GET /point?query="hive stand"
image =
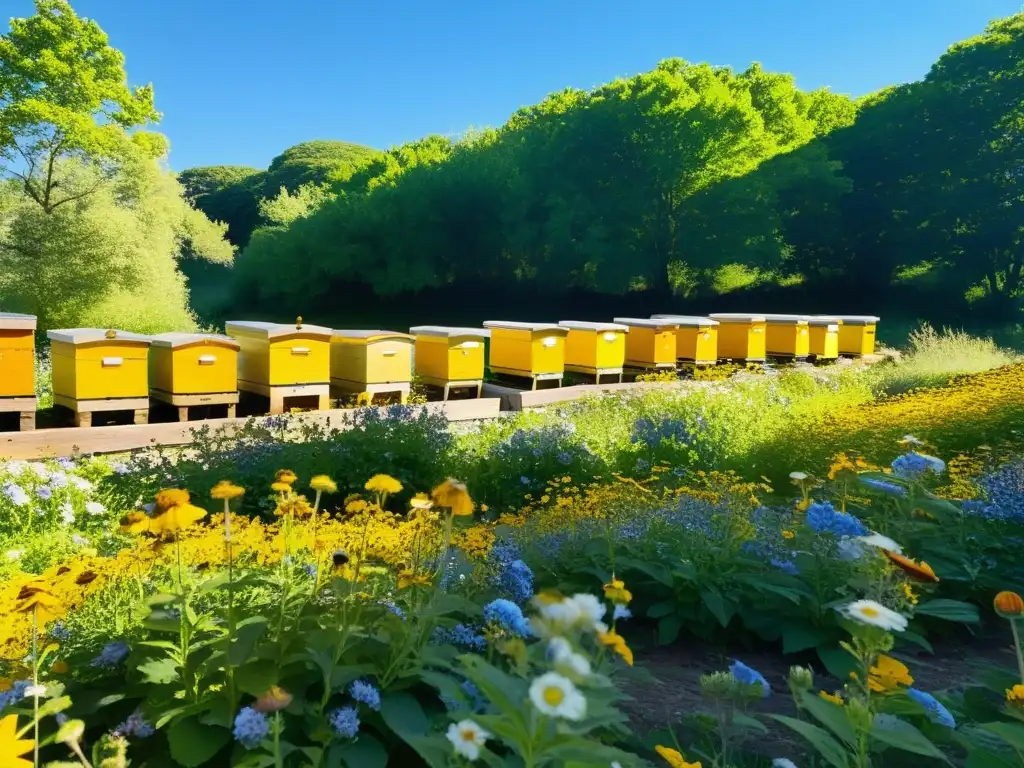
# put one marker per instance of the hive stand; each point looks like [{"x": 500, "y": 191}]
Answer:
[
  {"x": 534, "y": 378},
  {"x": 279, "y": 395},
  {"x": 596, "y": 373},
  {"x": 447, "y": 386},
  {"x": 342, "y": 386},
  {"x": 184, "y": 402},
  {"x": 25, "y": 407},
  {"x": 84, "y": 409}
]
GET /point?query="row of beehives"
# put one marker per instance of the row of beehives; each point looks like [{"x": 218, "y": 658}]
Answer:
[{"x": 98, "y": 370}]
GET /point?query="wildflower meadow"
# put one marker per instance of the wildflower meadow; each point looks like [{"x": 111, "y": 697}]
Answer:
[{"x": 840, "y": 562}]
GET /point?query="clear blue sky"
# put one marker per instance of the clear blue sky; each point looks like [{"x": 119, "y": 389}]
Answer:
[{"x": 240, "y": 80}]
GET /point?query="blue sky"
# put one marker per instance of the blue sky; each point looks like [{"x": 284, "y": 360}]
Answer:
[{"x": 240, "y": 80}]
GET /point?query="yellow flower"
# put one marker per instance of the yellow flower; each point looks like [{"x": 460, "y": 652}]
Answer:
[
  {"x": 274, "y": 700},
  {"x": 408, "y": 578},
  {"x": 453, "y": 495},
  {"x": 617, "y": 643},
  {"x": 1015, "y": 696},
  {"x": 285, "y": 476},
  {"x": 11, "y": 747},
  {"x": 225, "y": 489},
  {"x": 788, "y": 534},
  {"x": 617, "y": 593},
  {"x": 323, "y": 483},
  {"x": 280, "y": 487},
  {"x": 674, "y": 758},
  {"x": 135, "y": 522},
  {"x": 545, "y": 499},
  {"x": 176, "y": 518},
  {"x": 383, "y": 484},
  {"x": 484, "y": 508},
  {"x": 293, "y": 505},
  {"x": 835, "y": 698},
  {"x": 171, "y": 497},
  {"x": 908, "y": 592},
  {"x": 421, "y": 501},
  {"x": 355, "y": 506},
  {"x": 37, "y": 597},
  {"x": 888, "y": 673}
]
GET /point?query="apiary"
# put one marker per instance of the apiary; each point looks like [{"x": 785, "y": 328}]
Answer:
[
  {"x": 194, "y": 369},
  {"x": 450, "y": 357}
]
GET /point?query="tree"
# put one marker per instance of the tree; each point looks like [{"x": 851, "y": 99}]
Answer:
[{"x": 229, "y": 194}]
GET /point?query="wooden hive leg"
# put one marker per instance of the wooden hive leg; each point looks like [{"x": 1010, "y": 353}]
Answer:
[
  {"x": 142, "y": 415},
  {"x": 27, "y": 421},
  {"x": 231, "y": 410},
  {"x": 324, "y": 402},
  {"x": 276, "y": 403},
  {"x": 83, "y": 418},
  {"x": 445, "y": 391},
  {"x": 182, "y": 413},
  {"x": 403, "y": 396},
  {"x": 479, "y": 390}
]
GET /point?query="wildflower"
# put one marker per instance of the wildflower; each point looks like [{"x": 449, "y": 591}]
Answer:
[
  {"x": 617, "y": 643},
  {"x": 11, "y": 747},
  {"x": 798, "y": 476},
  {"x": 170, "y": 497},
  {"x": 749, "y": 676},
  {"x": 555, "y": 695},
  {"x": 135, "y": 522},
  {"x": 910, "y": 440},
  {"x": 916, "y": 570},
  {"x": 44, "y": 492},
  {"x": 285, "y": 476},
  {"x": 617, "y": 593},
  {"x": 226, "y": 490},
  {"x": 467, "y": 738},
  {"x": 874, "y": 614},
  {"x": 37, "y": 597},
  {"x": 365, "y": 693},
  {"x": 323, "y": 484},
  {"x": 884, "y": 486},
  {"x": 566, "y": 660},
  {"x": 67, "y": 513},
  {"x": 621, "y": 612},
  {"x": 16, "y": 494},
  {"x": 462, "y": 635},
  {"x": 888, "y": 674},
  {"x": 506, "y": 615},
  {"x": 1009, "y": 605},
  {"x": 421, "y": 501},
  {"x": 280, "y": 487},
  {"x": 15, "y": 693},
  {"x": 937, "y": 713},
  {"x": 251, "y": 727},
  {"x": 786, "y": 534},
  {"x": 135, "y": 726},
  {"x": 176, "y": 518},
  {"x": 273, "y": 700},
  {"x": 14, "y": 555},
  {"x": 517, "y": 581},
  {"x": 835, "y": 698},
  {"x": 914, "y": 466},
  {"x": 408, "y": 578},
  {"x": 674, "y": 758},
  {"x": 908, "y": 592},
  {"x": 344, "y": 722},
  {"x": 111, "y": 655},
  {"x": 822, "y": 517},
  {"x": 453, "y": 495},
  {"x": 1015, "y": 696},
  {"x": 591, "y": 610},
  {"x": 882, "y": 542},
  {"x": 383, "y": 484}
]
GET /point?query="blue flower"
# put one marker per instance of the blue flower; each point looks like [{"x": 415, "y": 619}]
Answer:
[
  {"x": 621, "y": 612},
  {"x": 890, "y": 489},
  {"x": 786, "y": 566},
  {"x": 914, "y": 466},
  {"x": 365, "y": 693},
  {"x": 310, "y": 570},
  {"x": 744, "y": 674},
  {"x": 251, "y": 727},
  {"x": 1005, "y": 491},
  {"x": 44, "y": 492},
  {"x": 564, "y": 458},
  {"x": 345, "y": 722},
  {"x": 135, "y": 726},
  {"x": 390, "y": 605},
  {"x": 66, "y": 463},
  {"x": 507, "y": 615},
  {"x": 16, "y": 494},
  {"x": 937, "y": 713},
  {"x": 460, "y": 634},
  {"x": 111, "y": 655},
  {"x": 524, "y": 480},
  {"x": 59, "y": 631},
  {"x": 516, "y": 580},
  {"x": 15, "y": 694},
  {"x": 822, "y": 517}
]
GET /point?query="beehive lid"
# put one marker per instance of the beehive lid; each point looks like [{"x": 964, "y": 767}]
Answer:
[
  {"x": 786, "y": 319},
  {"x": 276, "y": 330},
  {"x": 511, "y": 325},
  {"x": 822, "y": 320},
  {"x": 582, "y": 325},
  {"x": 687, "y": 321},
  {"x": 647, "y": 322},
  {"x": 857, "y": 319},
  {"x": 11, "y": 321},
  {"x": 736, "y": 317},
  {"x": 351, "y": 334},
  {"x": 174, "y": 340},
  {"x": 448, "y": 331},
  {"x": 92, "y": 335}
]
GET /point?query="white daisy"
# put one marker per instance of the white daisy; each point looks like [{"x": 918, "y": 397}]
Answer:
[
  {"x": 591, "y": 610},
  {"x": 798, "y": 476},
  {"x": 67, "y": 513},
  {"x": 555, "y": 695},
  {"x": 35, "y": 691},
  {"x": 94, "y": 508},
  {"x": 566, "y": 660},
  {"x": 882, "y": 542},
  {"x": 81, "y": 483},
  {"x": 875, "y": 615},
  {"x": 467, "y": 737}
]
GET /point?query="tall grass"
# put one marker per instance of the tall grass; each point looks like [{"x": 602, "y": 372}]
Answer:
[{"x": 933, "y": 357}]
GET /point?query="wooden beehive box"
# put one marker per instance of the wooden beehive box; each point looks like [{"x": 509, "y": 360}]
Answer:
[
  {"x": 193, "y": 369},
  {"x": 449, "y": 357},
  {"x": 696, "y": 338},
  {"x": 596, "y": 349},
  {"x": 824, "y": 334},
  {"x": 371, "y": 362},
  {"x": 18, "y": 367},
  {"x": 857, "y": 334},
  {"x": 741, "y": 336},
  {"x": 650, "y": 343},
  {"x": 787, "y": 336},
  {"x": 533, "y": 351}
]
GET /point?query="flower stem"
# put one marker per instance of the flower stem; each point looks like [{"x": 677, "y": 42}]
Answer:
[
  {"x": 1017, "y": 648},
  {"x": 35, "y": 682}
]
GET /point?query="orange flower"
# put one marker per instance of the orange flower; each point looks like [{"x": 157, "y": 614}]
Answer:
[
  {"x": 135, "y": 522},
  {"x": 916, "y": 570},
  {"x": 1008, "y": 605},
  {"x": 274, "y": 700},
  {"x": 453, "y": 495}
]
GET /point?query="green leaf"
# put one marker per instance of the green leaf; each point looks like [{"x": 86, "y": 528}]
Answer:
[
  {"x": 830, "y": 715},
  {"x": 193, "y": 744},
  {"x": 830, "y": 749},
  {"x": 838, "y": 662},
  {"x": 950, "y": 610},
  {"x": 913, "y": 637},
  {"x": 900, "y": 734},
  {"x": 721, "y": 608},
  {"x": 668, "y": 629},
  {"x": 664, "y": 608},
  {"x": 246, "y": 636},
  {"x": 1011, "y": 733},
  {"x": 404, "y": 715},
  {"x": 256, "y": 677},
  {"x": 159, "y": 671},
  {"x": 800, "y": 637},
  {"x": 54, "y": 706},
  {"x": 365, "y": 752}
]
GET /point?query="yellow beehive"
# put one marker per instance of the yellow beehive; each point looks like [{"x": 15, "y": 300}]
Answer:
[
  {"x": 696, "y": 338},
  {"x": 824, "y": 333},
  {"x": 17, "y": 355},
  {"x": 450, "y": 358},
  {"x": 741, "y": 336},
  {"x": 857, "y": 334},
  {"x": 650, "y": 343},
  {"x": 191, "y": 369},
  {"x": 278, "y": 360},
  {"x": 787, "y": 336},
  {"x": 528, "y": 350},
  {"x": 598, "y": 349},
  {"x": 371, "y": 362}
]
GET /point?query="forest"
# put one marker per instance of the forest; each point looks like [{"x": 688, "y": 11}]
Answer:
[{"x": 686, "y": 187}]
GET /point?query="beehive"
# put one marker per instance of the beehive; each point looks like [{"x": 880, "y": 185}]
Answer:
[
  {"x": 741, "y": 336},
  {"x": 824, "y": 334},
  {"x": 97, "y": 370},
  {"x": 857, "y": 334},
  {"x": 281, "y": 361},
  {"x": 533, "y": 351},
  {"x": 597, "y": 349},
  {"x": 448, "y": 357},
  {"x": 650, "y": 343},
  {"x": 371, "y": 362},
  {"x": 17, "y": 367},
  {"x": 787, "y": 336},
  {"x": 696, "y": 338},
  {"x": 191, "y": 369}
]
